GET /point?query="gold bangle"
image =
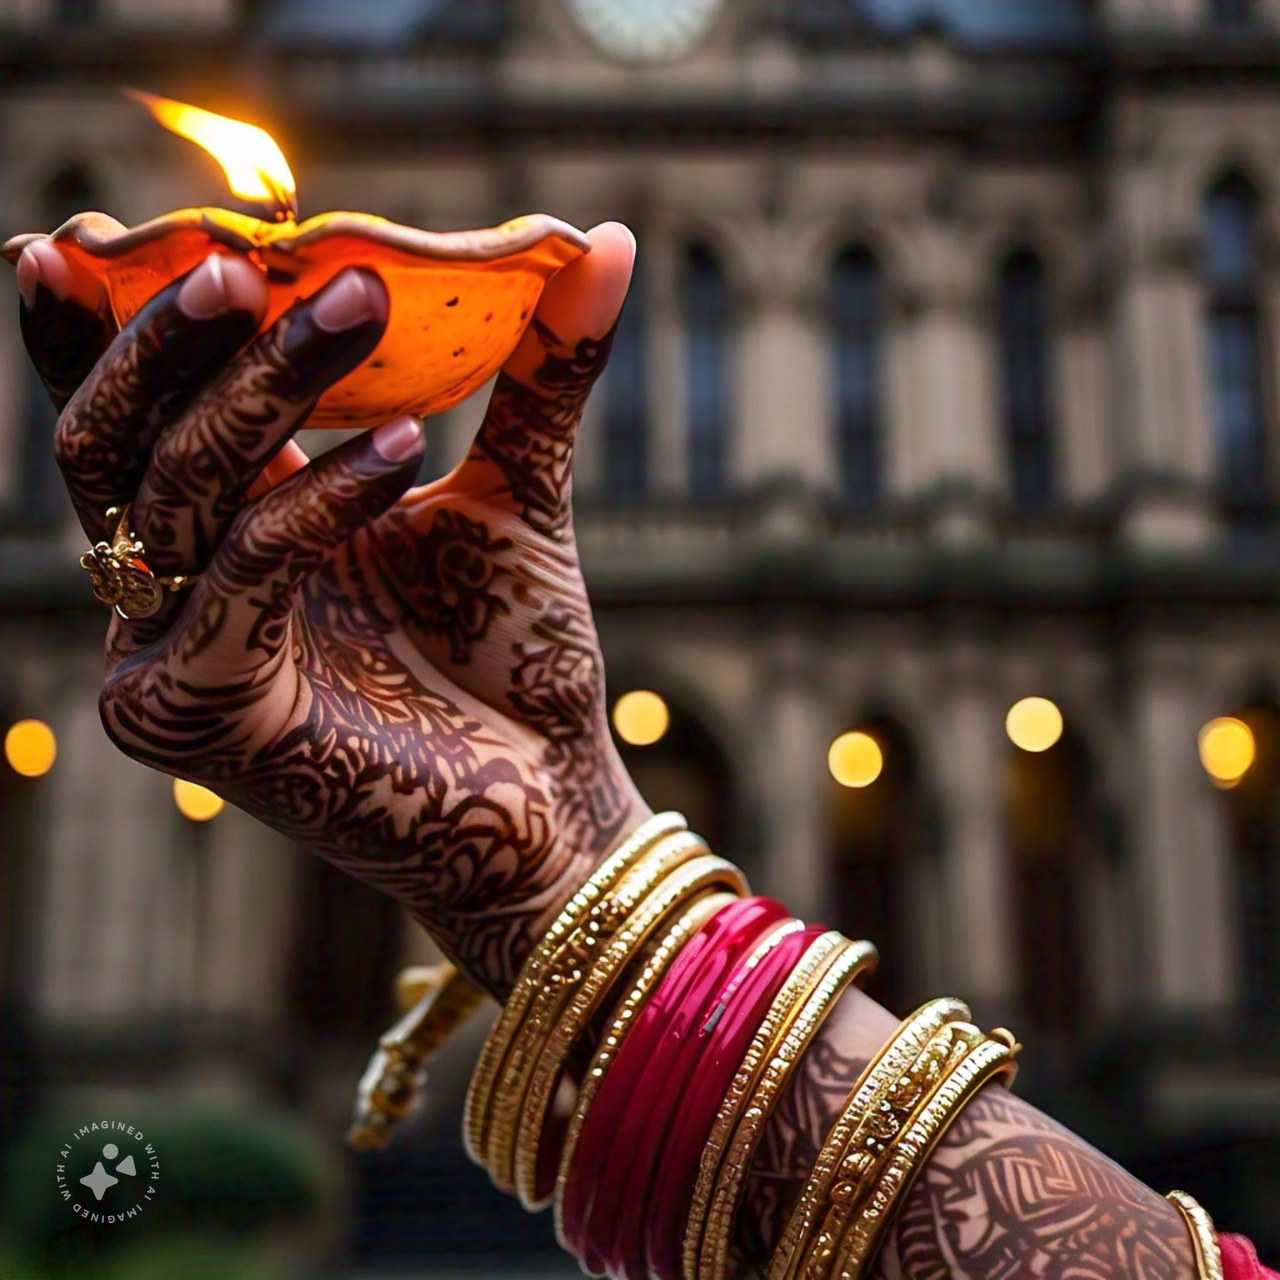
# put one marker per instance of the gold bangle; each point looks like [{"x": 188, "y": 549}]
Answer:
[
  {"x": 866, "y": 1101},
  {"x": 558, "y": 982},
  {"x": 789, "y": 1028},
  {"x": 979, "y": 1063},
  {"x": 475, "y": 1117},
  {"x": 674, "y": 891},
  {"x": 1204, "y": 1237},
  {"x": 865, "y": 1159},
  {"x": 624, "y": 1018}
]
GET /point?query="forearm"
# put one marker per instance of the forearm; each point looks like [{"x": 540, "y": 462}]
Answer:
[{"x": 1007, "y": 1193}]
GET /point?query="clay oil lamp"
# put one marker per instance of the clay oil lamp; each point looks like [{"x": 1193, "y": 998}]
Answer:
[{"x": 459, "y": 300}]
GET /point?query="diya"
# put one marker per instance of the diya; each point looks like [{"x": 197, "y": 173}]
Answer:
[{"x": 460, "y": 301}]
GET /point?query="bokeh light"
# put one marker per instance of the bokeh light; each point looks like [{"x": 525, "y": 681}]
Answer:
[
  {"x": 641, "y": 717},
  {"x": 1034, "y": 724},
  {"x": 196, "y": 802},
  {"x": 30, "y": 747},
  {"x": 1227, "y": 750},
  {"x": 855, "y": 759}
]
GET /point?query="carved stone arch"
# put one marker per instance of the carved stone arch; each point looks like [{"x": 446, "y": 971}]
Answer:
[
  {"x": 734, "y": 242},
  {"x": 1065, "y": 258},
  {"x": 814, "y": 248}
]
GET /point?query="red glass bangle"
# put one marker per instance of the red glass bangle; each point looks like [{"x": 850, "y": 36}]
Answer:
[
  {"x": 651, "y": 1234},
  {"x": 716, "y": 948},
  {"x": 708, "y": 1028},
  {"x": 617, "y": 1219}
]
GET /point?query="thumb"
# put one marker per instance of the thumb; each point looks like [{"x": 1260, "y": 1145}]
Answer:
[{"x": 529, "y": 428}]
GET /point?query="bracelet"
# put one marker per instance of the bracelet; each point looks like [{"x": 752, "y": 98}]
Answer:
[
  {"x": 981, "y": 1059},
  {"x": 692, "y": 979},
  {"x": 673, "y": 891},
  {"x": 1204, "y": 1239},
  {"x": 558, "y": 981},
  {"x": 631, "y": 1008},
  {"x": 479, "y": 1100},
  {"x": 766, "y": 1069},
  {"x": 867, "y": 1116},
  {"x": 657, "y": 1190}
]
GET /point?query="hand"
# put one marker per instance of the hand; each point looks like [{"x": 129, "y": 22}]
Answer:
[{"x": 407, "y": 681}]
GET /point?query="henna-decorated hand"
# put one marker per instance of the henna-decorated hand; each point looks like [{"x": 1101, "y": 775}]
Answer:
[{"x": 407, "y": 681}]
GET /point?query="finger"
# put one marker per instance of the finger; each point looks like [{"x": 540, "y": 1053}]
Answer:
[
  {"x": 280, "y": 468},
  {"x": 154, "y": 367},
  {"x": 64, "y": 334},
  {"x": 537, "y": 402},
  {"x": 239, "y": 606},
  {"x": 206, "y": 460}
]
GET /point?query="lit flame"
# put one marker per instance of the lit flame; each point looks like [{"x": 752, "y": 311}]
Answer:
[{"x": 255, "y": 166}]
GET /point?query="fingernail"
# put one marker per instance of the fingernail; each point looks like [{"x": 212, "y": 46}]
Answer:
[
  {"x": 398, "y": 439},
  {"x": 204, "y": 292},
  {"x": 355, "y": 297},
  {"x": 41, "y": 264}
]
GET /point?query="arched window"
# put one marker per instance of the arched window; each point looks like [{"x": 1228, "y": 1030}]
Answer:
[
  {"x": 1024, "y": 354},
  {"x": 626, "y": 390},
  {"x": 1054, "y": 825},
  {"x": 855, "y": 311},
  {"x": 1233, "y": 323},
  {"x": 1253, "y": 823},
  {"x": 706, "y": 344},
  {"x": 882, "y": 835}
]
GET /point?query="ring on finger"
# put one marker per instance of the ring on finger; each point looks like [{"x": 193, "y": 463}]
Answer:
[{"x": 120, "y": 574}]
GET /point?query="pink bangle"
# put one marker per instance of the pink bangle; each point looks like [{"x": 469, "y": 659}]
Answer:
[
  {"x": 712, "y": 1021},
  {"x": 728, "y": 936},
  {"x": 681, "y": 1155},
  {"x": 651, "y": 1236}
]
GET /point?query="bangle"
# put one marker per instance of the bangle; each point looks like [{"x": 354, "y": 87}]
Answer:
[
  {"x": 766, "y": 1070},
  {"x": 674, "y": 891},
  {"x": 973, "y": 1061},
  {"x": 657, "y": 1191},
  {"x": 867, "y": 1116},
  {"x": 560, "y": 979},
  {"x": 484, "y": 1078},
  {"x": 1204, "y": 1239},
  {"x": 630, "y": 1008},
  {"x": 717, "y": 948}
]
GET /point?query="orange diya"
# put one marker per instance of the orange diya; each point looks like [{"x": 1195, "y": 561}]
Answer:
[{"x": 460, "y": 301}]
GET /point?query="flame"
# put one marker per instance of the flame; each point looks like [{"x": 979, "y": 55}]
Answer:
[{"x": 254, "y": 164}]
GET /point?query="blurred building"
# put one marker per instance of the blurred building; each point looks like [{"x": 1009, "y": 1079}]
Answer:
[{"x": 949, "y": 377}]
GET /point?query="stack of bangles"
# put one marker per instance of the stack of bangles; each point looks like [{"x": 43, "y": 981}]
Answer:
[{"x": 650, "y": 1035}]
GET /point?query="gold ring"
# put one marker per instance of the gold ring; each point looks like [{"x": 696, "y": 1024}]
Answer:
[{"x": 121, "y": 576}]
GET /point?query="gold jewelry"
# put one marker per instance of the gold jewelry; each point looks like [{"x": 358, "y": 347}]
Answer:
[
  {"x": 789, "y": 1027},
  {"x": 972, "y": 1060},
  {"x": 476, "y": 1113},
  {"x": 867, "y": 1118},
  {"x": 392, "y": 1085},
  {"x": 1204, "y": 1238},
  {"x": 560, "y": 979},
  {"x": 624, "y": 1017},
  {"x": 120, "y": 575},
  {"x": 674, "y": 889}
]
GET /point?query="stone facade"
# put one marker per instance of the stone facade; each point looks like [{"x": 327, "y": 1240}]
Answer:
[{"x": 771, "y": 611}]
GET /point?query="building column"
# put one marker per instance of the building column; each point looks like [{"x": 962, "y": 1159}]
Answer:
[
  {"x": 978, "y": 947},
  {"x": 1159, "y": 388},
  {"x": 791, "y": 782},
  {"x": 1181, "y": 867},
  {"x": 782, "y": 382},
  {"x": 943, "y": 391}
]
